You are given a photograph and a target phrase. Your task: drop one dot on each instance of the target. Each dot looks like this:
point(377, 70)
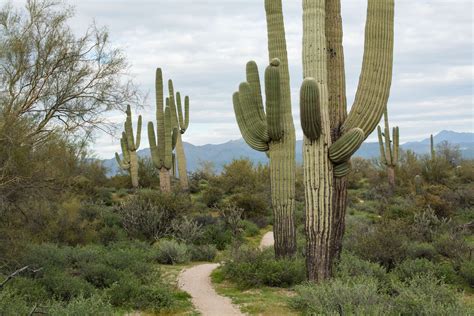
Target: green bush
point(254, 268)
point(355, 296)
point(66, 287)
point(352, 266)
point(99, 275)
point(216, 234)
point(203, 252)
point(13, 304)
point(417, 250)
point(250, 228)
point(467, 271)
point(426, 295)
point(81, 306)
point(452, 245)
point(171, 252)
point(212, 196)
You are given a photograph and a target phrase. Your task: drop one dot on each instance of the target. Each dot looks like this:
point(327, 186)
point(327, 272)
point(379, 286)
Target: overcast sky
point(203, 45)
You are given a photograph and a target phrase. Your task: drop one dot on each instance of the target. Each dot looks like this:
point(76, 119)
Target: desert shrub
point(66, 287)
point(149, 214)
point(452, 245)
point(250, 228)
point(99, 275)
point(426, 295)
point(186, 230)
point(412, 268)
point(253, 204)
point(13, 304)
point(355, 296)
point(171, 252)
point(203, 252)
point(417, 249)
point(254, 268)
point(217, 234)
point(94, 305)
point(352, 266)
point(29, 289)
point(467, 271)
point(426, 225)
point(212, 196)
point(111, 234)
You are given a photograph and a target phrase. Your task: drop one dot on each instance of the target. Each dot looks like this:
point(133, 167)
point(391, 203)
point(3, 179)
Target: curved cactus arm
point(186, 113)
point(154, 149)
point(249, 137)
point(121, 163)
point(129, 130)
point(174, 138)
point(139, 133)
point(253, 78)
point(396, 144)
point(342, 150)
point(342, 170)
point(171, 102)
point(388, 146)
point(310, 111)
point(256, 125)
point(179, 106)
point(273, 101)
point(376, 76)
point(383, 157)
point(125, 149)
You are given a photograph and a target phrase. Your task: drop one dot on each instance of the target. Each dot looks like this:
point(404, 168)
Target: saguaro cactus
point(432, 148)
point(331, 137)
point(389, 150)
point(162, 148)
point(129, 148)
point(181, 122)
point(273, 132)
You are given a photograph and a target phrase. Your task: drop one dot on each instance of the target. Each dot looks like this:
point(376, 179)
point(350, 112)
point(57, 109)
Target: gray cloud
point(204, 45)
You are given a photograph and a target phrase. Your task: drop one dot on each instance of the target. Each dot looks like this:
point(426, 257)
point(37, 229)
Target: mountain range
point(222, 154)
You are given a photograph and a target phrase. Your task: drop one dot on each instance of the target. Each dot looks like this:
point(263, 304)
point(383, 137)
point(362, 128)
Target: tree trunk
point(282, 153)
point(134, 169)
point(181, 157)
point(318, 175)
point(165, 180)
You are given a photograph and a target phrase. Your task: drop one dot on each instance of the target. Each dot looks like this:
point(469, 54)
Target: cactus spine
point(272, 131)
point(323, 96)
point(162, 148)
point(389, 149)
point(181, 123)
point(130, 146)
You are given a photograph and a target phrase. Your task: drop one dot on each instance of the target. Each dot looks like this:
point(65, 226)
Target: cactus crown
point(180, 118)
point(128, 142)
point(258, 126)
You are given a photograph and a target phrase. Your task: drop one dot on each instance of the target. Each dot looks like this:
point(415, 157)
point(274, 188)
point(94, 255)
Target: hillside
point(222, 154)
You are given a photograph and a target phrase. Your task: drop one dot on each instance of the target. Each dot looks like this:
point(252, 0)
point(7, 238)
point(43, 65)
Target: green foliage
point(94, 305)
point(203, 252)
point(467, 271)
point(250, 228)
point(212, 196)
point(255, 268)
point(171, 252)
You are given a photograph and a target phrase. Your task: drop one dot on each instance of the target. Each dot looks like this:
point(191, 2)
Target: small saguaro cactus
point(130, 146)
point(389, 150)
point(432, 148)
point(162, 148)
point(180, 121)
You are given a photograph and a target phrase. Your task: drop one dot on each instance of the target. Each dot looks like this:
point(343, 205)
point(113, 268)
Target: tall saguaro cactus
point(162, 148)
point(273, 132)
point(432, 148)
point(332, 136)
point(389, 150)
point(181, 122)
point(130, 146)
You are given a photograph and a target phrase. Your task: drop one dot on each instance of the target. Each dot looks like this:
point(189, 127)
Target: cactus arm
point(129, 130)
point(168, 149)
point(383, 157)
point(249, 138)
point(342, 150)
point(342, 170)
point(139, 132)
point(171, 102)
point(125, 150)
point(180, 112)
point(396, 144)
point(154, 151)
point(310, 110)
point(257, 126)
point(273, 101)
point(174, 138)
point(186, 113)
point(121, 163)
point(432, 146)
point(388, 146)
point(376, 76)
point(253, 78)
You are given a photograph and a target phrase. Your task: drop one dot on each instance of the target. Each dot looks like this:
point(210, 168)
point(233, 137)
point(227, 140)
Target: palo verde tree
point(130, 146)
point(273, 131)
point(390, 149)
point(332, 136)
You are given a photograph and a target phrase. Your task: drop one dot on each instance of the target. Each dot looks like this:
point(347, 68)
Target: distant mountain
point(224, 153)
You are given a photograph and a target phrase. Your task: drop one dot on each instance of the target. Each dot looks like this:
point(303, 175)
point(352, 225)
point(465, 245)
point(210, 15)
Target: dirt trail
point(197, 282)
point(267, 240)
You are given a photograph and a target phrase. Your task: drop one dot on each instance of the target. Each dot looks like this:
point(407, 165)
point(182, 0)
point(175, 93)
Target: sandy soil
point(267, 240)
point(197, 282)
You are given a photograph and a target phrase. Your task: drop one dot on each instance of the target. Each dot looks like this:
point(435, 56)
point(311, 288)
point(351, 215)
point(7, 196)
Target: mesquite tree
point(332, 136)
point(273, 132)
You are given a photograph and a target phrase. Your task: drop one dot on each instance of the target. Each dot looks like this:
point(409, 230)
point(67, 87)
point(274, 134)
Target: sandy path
point(197, 282)
point(267, 240)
